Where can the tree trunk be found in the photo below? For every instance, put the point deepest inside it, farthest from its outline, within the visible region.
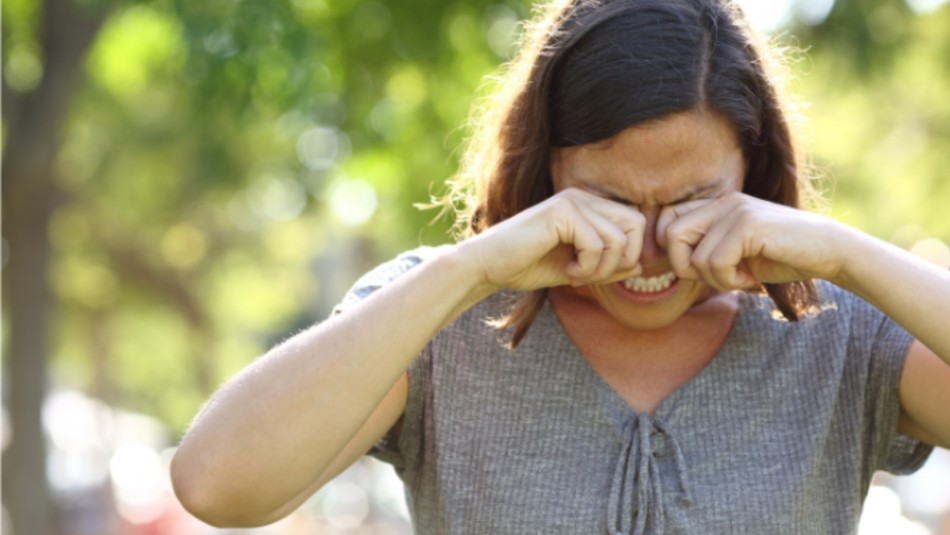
(25, 490)
(33, 125)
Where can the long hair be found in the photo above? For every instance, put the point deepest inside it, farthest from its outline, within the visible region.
(589, 69)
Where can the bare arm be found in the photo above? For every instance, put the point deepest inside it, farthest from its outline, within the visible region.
(737, 241)
(916, 294)
(313, 405)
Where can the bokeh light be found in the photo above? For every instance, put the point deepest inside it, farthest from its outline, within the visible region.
(926, 6)
(768, 15)
(933, 250)
(224, 170)
(883, 516)
(352, 201)
(140, 482)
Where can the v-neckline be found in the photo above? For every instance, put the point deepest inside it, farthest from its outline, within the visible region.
(619, 410)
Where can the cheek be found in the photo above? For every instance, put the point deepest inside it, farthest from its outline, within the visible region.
(586, 292)
(558, 169)
(696, 292)
(591, 293)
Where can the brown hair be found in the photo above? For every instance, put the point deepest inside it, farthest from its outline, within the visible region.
(589, 69)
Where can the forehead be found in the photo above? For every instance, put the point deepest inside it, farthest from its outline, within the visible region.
(658, 162)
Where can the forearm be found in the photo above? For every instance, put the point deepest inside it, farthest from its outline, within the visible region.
(912, 291)
(270, 432)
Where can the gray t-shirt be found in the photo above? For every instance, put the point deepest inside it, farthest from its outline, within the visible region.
(780, 433)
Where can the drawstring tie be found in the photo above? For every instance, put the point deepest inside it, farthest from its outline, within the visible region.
(636, 491)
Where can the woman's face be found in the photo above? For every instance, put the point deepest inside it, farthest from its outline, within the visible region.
(683, 157)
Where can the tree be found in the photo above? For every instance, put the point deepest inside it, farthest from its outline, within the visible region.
(172, 169)
(186, 181)
(877, 116)
(29, 199)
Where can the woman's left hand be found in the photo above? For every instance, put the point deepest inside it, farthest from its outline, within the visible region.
(737, 241)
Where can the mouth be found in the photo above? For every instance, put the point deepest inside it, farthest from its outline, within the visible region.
(655, 284)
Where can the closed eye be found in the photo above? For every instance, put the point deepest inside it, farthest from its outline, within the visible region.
(704, 191)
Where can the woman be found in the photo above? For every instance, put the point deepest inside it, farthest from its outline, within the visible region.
(641, 333)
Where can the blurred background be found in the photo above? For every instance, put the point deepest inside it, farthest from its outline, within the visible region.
(185, 183)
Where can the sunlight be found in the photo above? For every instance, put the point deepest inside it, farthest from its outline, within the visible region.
(922, 7)
(768, 16)
(352, 201)
(813, 12)
(138, 478)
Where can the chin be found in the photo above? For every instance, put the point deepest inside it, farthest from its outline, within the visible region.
(646, 322)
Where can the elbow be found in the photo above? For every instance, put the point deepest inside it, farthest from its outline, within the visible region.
(211, 499)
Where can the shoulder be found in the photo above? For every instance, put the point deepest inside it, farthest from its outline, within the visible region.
(842, 323)
(860, 317)
(834, 305)
(402, 263)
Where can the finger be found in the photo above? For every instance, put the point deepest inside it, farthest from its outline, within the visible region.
(634, 228)
(630, 220)
(727, 263)
(624, 215)
(679, 229)
(607, 214)
(622, 275)
(633, 250)
(718, 254)
(722, 253)
(614, 241)
(631, 224)
(588, 248)
(673, 212)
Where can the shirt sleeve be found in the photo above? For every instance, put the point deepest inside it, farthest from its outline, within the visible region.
(893, 451)
(381, 276)
(392, 446)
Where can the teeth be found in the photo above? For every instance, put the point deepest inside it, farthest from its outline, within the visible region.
(650, 284)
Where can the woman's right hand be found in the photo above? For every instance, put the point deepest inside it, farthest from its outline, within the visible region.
(334, 389)
(573, 237)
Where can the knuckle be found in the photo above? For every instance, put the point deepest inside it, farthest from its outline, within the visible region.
(720, 261)
(587, 269)
(698, 258)
(638, 219)
(745, 210)
(614, 239)
(604, 271)
(627, 262)
(561, 202)
(566, 192)
(733, 197)
(676, 229)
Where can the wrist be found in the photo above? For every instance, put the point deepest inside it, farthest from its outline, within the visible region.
(859, 253)
(463, 260)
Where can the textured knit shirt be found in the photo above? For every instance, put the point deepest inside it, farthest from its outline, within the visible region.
(780, 433)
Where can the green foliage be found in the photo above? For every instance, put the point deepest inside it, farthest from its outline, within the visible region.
(220, 154)
(22, 63)
(218, 151)
(879, 119)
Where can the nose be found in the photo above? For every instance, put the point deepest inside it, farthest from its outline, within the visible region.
(651, 248)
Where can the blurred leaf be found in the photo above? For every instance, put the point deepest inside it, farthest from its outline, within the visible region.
(230, 166)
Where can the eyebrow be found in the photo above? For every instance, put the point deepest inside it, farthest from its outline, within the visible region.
(691, 193)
